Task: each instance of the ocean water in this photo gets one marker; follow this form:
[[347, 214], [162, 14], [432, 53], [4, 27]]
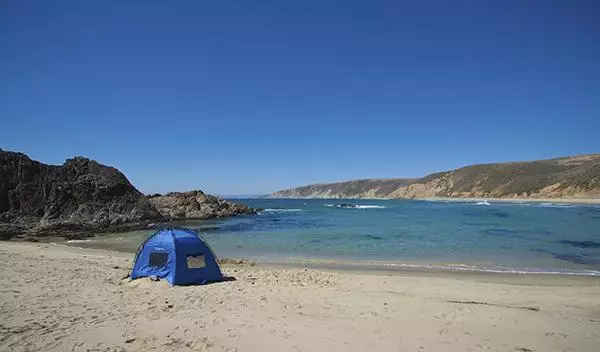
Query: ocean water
[[481, 236]]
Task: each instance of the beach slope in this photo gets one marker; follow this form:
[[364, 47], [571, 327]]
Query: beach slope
[[57, 298]]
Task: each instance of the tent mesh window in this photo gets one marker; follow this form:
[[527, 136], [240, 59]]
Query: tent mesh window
[[158, 259], [196, 261]]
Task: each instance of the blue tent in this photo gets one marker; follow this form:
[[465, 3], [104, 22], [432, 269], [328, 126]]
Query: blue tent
[[179, 256]]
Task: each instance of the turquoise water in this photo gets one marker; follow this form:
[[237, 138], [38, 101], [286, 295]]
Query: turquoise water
[[507, 237]]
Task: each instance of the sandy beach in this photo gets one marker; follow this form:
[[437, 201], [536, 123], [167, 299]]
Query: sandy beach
[[58, 298], [519, 200], [589, 200]]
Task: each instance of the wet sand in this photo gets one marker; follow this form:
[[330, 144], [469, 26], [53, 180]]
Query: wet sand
[[59, 298]]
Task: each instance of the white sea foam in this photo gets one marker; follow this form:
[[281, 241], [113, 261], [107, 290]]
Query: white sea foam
[[367, 206], [281, 210], [358, 206], [556, 205], [482, 203], [466, 267], [78, 241]]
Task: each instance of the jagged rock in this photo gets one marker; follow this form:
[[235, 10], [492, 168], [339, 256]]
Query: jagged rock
[[197, 205], [79, 196], [82, 197]]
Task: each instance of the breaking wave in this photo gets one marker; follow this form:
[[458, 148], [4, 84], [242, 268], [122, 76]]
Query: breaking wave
[[281, 210], [498, 270], [556, 205], [356, 206]]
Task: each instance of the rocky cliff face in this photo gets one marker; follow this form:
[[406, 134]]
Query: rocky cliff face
[[197, 205], [569, 177], [80, 195]]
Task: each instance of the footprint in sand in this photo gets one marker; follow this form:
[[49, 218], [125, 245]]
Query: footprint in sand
[[557, 334]]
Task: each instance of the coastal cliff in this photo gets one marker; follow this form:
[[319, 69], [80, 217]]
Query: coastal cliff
[[83, 197], [568, 177], [80, 195]]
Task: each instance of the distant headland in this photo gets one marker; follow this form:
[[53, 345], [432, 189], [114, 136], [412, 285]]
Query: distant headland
[[573, 178]]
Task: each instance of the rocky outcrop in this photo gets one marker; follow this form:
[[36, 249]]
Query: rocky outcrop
[[197, 205], [79, 196], [568, 177], [82, 197]]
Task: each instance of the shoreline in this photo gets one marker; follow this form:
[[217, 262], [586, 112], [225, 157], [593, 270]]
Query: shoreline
[[338, 266], [380, 266], [516, 200], [416, 268], [582, 201]]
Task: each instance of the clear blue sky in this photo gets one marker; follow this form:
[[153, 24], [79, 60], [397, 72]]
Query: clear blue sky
[[249, 96]]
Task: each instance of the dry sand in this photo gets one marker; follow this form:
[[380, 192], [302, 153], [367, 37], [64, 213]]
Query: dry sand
[[57, 298]]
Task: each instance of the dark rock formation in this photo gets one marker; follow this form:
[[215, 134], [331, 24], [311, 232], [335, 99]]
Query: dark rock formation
[[197, 205], [79, 196], [82, 197], [346, 205]]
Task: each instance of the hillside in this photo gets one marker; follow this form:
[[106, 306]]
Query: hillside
[[568, 177], [369, 188]]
